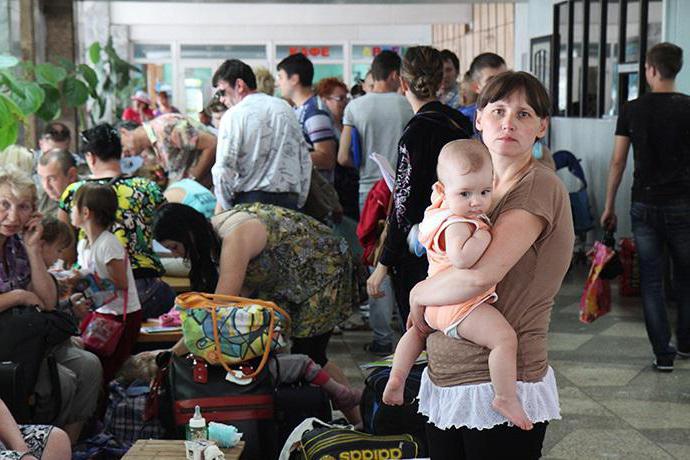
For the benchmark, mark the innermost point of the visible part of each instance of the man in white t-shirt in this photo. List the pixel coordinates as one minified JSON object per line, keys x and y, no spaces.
{"x":379,"y":117}
{"x":261,"y":154}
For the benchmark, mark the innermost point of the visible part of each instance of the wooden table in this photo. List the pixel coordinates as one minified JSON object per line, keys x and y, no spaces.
{"x":158,"y":337}
{"x":178,"y":284}
{"x":159,"y":449}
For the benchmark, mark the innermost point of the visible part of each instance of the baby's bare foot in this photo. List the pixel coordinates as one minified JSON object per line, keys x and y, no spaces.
{"x":394,"y":393}
{"x":511,"y":409}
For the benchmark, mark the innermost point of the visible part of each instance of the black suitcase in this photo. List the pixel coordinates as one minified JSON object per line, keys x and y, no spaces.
{"x":189,"y":382}
{"x":295,"y":403}
{"x":381,"y":419}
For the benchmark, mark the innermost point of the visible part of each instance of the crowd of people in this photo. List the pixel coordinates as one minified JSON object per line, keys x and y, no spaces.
{"x":467,"y":249}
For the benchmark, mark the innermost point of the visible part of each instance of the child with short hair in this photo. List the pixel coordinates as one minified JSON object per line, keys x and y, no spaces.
{"x":102,"y":254}
{"x":57,"y":236}
{"x":456,"y":232}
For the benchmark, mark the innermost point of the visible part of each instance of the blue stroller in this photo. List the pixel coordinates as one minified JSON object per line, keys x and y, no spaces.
{"x":570,"y":171}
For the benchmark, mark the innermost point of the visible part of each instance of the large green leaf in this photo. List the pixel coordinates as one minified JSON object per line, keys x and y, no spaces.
{"x":66,"y":64}
{"x":50,"y":109}
{"x":75,"y":92}
{"x":95,"y":52}
{"x":29,"y":98}
{"x":10,"y":80}
{"x":10,"y":118}
{"x":8,"y":61}
{"x":89,"y":75}
{"x":49,"y":74}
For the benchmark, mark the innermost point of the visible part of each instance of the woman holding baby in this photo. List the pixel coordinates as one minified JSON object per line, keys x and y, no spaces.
{"x":529,"y":254}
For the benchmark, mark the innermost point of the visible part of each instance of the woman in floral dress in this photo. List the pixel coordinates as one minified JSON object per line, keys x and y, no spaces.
{"x":271,"y":253}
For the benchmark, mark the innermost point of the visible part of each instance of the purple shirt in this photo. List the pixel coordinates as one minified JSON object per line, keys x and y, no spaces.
{"x":15,"y":272}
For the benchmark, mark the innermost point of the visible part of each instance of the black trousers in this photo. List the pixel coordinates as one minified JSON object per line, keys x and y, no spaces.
{"x":404,"y":278}
{"x":494,"y":444}
{"x":314,"y":347}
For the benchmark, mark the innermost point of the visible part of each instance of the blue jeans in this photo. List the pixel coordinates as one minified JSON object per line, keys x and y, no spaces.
{"x":656,"y":227}
{"x":380,"y":309}
{"x":155,"y":295}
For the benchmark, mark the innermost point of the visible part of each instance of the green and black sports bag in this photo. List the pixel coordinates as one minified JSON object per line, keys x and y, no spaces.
{"x":344,"y":444}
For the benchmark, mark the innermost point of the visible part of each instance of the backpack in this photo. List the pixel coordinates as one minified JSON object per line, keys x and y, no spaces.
{"x":576,"y":183}
{"x":381,"y":419}
{"x":26,"y":336}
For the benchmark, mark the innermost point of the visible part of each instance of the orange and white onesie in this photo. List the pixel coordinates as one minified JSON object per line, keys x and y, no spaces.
{"x":437,"y":218}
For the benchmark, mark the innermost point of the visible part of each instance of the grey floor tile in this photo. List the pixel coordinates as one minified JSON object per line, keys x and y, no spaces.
{"x":612,"y":349}
{"x":679,"y":451}
{"x":626,"y":329}
{"x":575,"y":402}
{"x":677,"y":436}
{"x":616,"y":443}
{"x":596,"y":375}
{"x":649,"y":385}
{"x":650,"y":414}
{"x":566,"y":341}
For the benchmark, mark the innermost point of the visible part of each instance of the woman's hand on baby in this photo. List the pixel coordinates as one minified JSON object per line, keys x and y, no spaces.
{"x":375,"y":280}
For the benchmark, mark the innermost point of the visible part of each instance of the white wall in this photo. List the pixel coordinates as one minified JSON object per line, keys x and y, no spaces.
{"x":676,"y":30}
{"x":591,"y":140}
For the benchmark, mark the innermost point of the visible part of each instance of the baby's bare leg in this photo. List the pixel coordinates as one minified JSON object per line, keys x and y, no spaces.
{"x":487,"y":327}
{"x":409,"y":347}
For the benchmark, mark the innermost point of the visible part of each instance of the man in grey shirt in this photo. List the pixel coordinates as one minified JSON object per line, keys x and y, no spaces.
{"x":379,"y":117}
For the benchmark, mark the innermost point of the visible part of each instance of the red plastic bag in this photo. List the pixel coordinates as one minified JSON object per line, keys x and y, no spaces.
{"x":596,"y":297}
{"x":630,"y":279}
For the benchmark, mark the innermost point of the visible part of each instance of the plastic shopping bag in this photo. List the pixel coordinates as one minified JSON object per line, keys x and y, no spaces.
{"x":596,"y":297}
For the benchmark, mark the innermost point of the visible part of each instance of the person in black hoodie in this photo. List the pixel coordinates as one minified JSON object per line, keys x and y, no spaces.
{"x":432,"y":127}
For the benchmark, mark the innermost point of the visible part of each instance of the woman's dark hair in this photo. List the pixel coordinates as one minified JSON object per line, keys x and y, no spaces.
{"x":103,"y":141}
{"x":185,"y":225}
{"x":422,"y":69}
{"x":507,"y":83}
{"x":100,"y":199}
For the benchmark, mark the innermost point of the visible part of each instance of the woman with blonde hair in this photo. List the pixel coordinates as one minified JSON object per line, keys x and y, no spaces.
{"x":432,"y":127}
{"x":19,"y":157}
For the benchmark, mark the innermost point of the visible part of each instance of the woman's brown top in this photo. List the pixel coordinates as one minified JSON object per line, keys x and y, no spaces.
{"x":526,"y":293}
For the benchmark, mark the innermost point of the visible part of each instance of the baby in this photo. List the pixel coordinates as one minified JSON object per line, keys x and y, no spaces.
{"x":456,"y":232}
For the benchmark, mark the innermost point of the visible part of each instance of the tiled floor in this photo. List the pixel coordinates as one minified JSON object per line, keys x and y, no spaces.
{"x":613,"y":404}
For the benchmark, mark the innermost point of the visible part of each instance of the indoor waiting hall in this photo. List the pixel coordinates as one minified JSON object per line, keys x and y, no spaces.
{"x":315,"y":229}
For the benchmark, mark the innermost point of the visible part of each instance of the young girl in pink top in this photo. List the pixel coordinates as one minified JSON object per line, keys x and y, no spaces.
{"x":456,"y":232}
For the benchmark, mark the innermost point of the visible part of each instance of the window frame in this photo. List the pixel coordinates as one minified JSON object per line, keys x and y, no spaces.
{"x":625,"y":69}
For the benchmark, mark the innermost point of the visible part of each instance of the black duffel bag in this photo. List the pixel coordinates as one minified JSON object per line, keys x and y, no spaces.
{"x":381,"y":419}
{"x":26,"y":335}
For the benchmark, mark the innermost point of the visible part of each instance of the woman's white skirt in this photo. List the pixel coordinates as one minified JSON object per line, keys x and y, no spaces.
{"x":470,"y":405}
